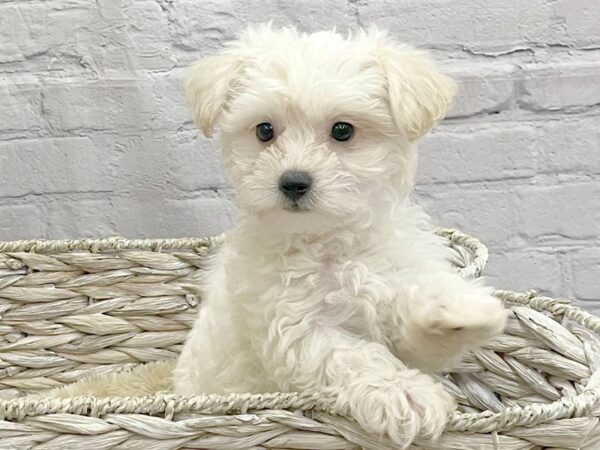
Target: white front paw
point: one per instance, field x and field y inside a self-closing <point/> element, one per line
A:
<point x="445" y="325"/>
<point x="470" y="320"/>
<point x="411" y="408"/>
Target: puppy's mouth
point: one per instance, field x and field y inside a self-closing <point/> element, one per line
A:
<point x="296" y="208"/>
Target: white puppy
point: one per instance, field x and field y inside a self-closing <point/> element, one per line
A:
<point x="332" y="280"/>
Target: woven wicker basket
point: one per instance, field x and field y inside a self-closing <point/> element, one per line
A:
<point x="75" y="308"/>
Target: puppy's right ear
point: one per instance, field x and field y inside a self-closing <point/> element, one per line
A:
<point x="208" y="87"/>
<point x="418" y="94"/>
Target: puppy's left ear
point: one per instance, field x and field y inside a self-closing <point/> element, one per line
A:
<point x="208" y="87"/>
<point x="419" y="95"/>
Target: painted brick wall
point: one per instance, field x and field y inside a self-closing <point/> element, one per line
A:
<point x="96" y="140"/>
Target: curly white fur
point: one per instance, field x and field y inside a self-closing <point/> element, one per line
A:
<point x="351" y="293"/>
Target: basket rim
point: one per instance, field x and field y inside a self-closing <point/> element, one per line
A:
<point x="468" y="267"/>
<point x="109" y="243"/>
<point x="157" y="244"/>
<point x="166" y="404"/>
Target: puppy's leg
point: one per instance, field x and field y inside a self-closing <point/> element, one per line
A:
<point x="217" y="356"/>
<point x="439" y="316"/>
<point x="373" y="386"/>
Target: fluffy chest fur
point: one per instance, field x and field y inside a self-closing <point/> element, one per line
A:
<point x="349" y="279"/>
<point x="333" y="283"/>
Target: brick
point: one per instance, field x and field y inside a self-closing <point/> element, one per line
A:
<point x="560" y="86"/>
<point x="201" y="27"/>
<point x="25" y="34"/>
<point x="58" y="37"/>
<point x="98" y="105"/>
<point x="198" y="216"/>
<point x="308" y="15"/>
<point x="144" y="166"/>
<point x="181" y="161"/>
<point x="21" y="222"/>
<point x="148" y="35"/>
<point x="488" y="88"/>
<point x="566" y="212"/>
<point x="525" y="269"/>
<point x="580" y="21"/>
<point x="195" y="163"/>
<point x="51" y="31"/>
<point x="456" y="154"/>
<point x="20" y="107"/>
<point x="591" y="306"/>
<point x="158" y="215"/>
<point x="487" y="214"/>
<point x="71" y="217"/>
<point x="170" y="110"/>
<point x="569" y="146"/>
<point x="44" y="166"/>
<point x="585" y="265"/>
<point x="12" y="35"/>
<point x="479" y="25"/>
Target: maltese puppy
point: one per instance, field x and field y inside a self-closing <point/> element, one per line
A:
<point x="331" y="280"/>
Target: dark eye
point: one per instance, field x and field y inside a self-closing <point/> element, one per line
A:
<point x="342" y="131"/>
<point x="264" y="131"/>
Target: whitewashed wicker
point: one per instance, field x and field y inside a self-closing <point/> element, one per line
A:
<point x="75" y="308"/>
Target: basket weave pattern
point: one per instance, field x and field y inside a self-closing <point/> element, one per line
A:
<point x="70" y="309"/>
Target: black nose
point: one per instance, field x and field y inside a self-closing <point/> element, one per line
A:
<point x="294" y="184"/>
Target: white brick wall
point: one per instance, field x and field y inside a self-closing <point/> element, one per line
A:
<point x="96" y="140"/>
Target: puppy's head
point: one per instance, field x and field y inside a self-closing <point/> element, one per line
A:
<point x="318" y="130"/>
